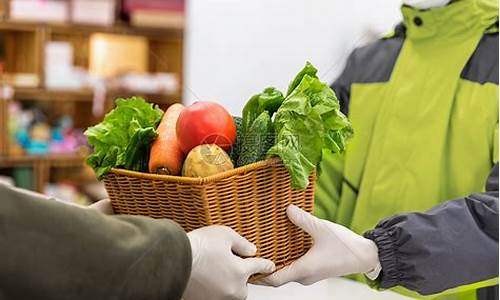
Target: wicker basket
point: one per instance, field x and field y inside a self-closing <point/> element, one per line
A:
<point x="251" y="199"/>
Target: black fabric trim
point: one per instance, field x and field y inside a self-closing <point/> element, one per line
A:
<point x="482" y="66"/>
<point x="400" y="30"/>
<point x="375" y="62"/>
<point x="492" y="182"/>
<point x="488" y="293"/>
<point x="369" y="64"/>
<point x="387" y="251"/>
<point x="350" y="185"/>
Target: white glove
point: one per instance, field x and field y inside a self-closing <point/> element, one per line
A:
<point x="217" y="273"/>
<point x="336" y="251"/>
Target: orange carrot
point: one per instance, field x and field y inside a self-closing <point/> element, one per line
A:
<point x="166" y="156"/>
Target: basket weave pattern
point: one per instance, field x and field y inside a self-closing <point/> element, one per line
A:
<point x="251" y="199"/>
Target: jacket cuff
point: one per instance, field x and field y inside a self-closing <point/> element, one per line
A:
<point x="387" y="253"/>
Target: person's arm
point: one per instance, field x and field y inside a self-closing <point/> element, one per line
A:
<point x="453" y="244"/>
<point x="55" y="251"/>
<point x="51" y="250"/>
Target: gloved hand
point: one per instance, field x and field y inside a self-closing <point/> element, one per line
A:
<point x="336" y="251"/>
<point x="102" y="206"/>
<point x="217" y="273"/>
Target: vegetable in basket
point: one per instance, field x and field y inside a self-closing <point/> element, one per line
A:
<point x="269" y="100"/>
<point x="308" y="121"/>
<point x="124" y="137"/>
<point x="166" y="155"/>
<point x="256" y="135"/>
<point x="235" y="150"/>
<point x="205" y="123"/>
<point x="257" y="140"/>
<point x="205" y="160"/>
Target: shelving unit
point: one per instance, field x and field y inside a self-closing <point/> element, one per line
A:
<point x="69" y="28"/>
<point x="42" y="165"/>
<point x="86" y="95"/>
<point x="41" y="94"/>
<point x="24" y="53"/>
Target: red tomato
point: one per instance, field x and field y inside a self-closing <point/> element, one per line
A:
<point x="205" y="123"/>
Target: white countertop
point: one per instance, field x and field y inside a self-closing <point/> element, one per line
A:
<point x="330" y="289"/>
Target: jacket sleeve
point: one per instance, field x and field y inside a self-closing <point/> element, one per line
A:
<point x="51" y="250"/>
<point x="453" y="244"/>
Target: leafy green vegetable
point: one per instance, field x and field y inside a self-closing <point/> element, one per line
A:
<point x="136" y="154"/>
<point x="257" y="140"/>
<point x="236" y="149"/>
<point x="269" y="100"/>
<point x="309" y="69"/>
<point x="124" y="137"/>
<point x="308" y="121"/>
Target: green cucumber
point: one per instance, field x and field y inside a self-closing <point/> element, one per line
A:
<point x="235" y="150"/>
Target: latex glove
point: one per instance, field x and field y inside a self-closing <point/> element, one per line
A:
<point x="102" y="206"/>
<point x="217" y="273"/>
<point x="336" y="251"/>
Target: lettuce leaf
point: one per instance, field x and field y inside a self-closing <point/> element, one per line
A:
<point x="124" y="137"/>
<point x="309" y="69"/>
<point x="308" y="121"/>
<point x="269" y="100"/>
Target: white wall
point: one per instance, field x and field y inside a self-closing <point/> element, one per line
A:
<point x="236" y="48"/>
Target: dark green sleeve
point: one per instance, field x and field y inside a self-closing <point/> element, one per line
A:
<point x="51" y="250"/>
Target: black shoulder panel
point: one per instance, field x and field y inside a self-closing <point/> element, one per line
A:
<point x="368" y="64"/>
<point x="482" y="66"/>
<point x="375" y="62"/>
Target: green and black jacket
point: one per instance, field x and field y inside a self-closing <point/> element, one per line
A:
<point x="423" y="102"/>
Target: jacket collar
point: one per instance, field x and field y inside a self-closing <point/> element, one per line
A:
<point x="451" y="21"/>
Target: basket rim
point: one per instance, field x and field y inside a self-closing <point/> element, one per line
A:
<point x="198" y="180"/>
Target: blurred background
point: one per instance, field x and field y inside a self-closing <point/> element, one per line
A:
<point x="63" y="62"/>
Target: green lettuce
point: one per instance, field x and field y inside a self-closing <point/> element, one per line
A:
<point x="269" y="100"/>
<point x="308" y="121"/>
<point x="124" y="137"/>
<point x="309" y="69"/>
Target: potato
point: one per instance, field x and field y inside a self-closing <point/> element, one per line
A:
<point x="205" y="160"/>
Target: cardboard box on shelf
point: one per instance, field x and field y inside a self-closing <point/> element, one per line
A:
<point x="60" y="72"/>
<point x="159" y="5"/>
<point x="112" y="54"/>
<point x="39" y="10"/>
<point x="156" y="83"/>
<point x="157" y="19"/>
<point x="94" y="12"/>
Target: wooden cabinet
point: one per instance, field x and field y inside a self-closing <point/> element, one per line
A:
<point x="23" y="53"/>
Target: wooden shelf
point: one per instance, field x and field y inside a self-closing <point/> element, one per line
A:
<point x="88" y="29"/>
<point x="52" y="95"/>
<point x="167" y="99"/>
<point x="86" y="95"/>
<point x="53" y="160"/>
<point x="42" y="165"/>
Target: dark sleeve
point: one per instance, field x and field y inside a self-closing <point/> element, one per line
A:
<point x="51" y="250"/>
<point x="342" y="85"/>
<point x="453" y="244"/>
